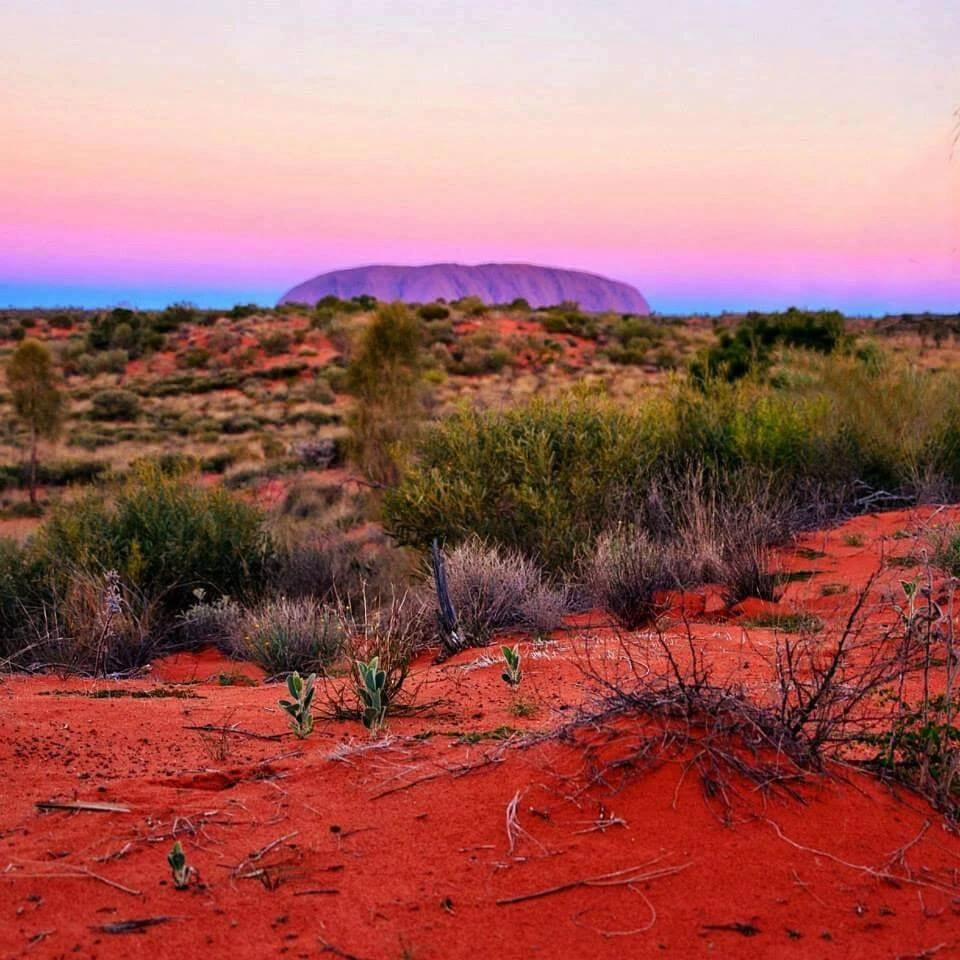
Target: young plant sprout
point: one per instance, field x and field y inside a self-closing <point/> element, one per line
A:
<point x="301" y="721"/>
<point x="512" y="674"/>
<point x="182" y="871"/>
<point x="370" y="684"/>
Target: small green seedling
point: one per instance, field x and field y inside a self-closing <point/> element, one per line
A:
<point x="371" y="681"/>
<point x="301" y="722"/>
<point x="512" y="674"/>
<point x="182" y="871"/>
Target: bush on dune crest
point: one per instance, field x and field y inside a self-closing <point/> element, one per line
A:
<point x="548" y="478"/>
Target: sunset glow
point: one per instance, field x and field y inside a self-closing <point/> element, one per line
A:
<point x="715" y="155"/>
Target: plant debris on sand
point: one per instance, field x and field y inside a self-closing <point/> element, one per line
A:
<point x="679" y="790"/>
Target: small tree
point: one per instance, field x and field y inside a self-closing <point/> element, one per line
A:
<point x="386" y="381"/>
<point x="37" y="400"/>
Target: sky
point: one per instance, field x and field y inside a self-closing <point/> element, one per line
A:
<point x="718" y="155"/>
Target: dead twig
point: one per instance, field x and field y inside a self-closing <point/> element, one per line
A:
<point x="76" y="873"/>
<point x="81" y="806"/>
<point x="618" y="878"/>
<point x="235" y="731"/>
<point x="131" y="926"/>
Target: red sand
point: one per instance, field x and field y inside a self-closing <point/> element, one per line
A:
<point x="344" y="846"/>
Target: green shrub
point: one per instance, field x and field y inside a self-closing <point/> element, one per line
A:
<point x="433" y="311"/>
<point x="544" y="478"/>
<point x="748" y="348"/>
<point x="18" y="587"/>
<point x="114" y="404"/>
<point x="385" y="378"/>
<point x="275" y="343"/>
<point x="165" y="536"/>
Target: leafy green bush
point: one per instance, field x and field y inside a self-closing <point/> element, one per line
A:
<point x="165" y="536"/>
<point x="18" y="587"/>
<point x="548" y="477"/>
<point x="275" y="343"/>
<point x="749" y="346"/>
<point x="544" y="478"/>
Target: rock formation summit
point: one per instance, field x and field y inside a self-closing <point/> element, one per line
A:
<point x="492" y="282"/>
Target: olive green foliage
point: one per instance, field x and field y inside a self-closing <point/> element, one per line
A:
<point x="749" y="347"/>
<point x="548" y="477"/>
<point x="544" y="477"/>
<point x="165" y="535"/>
<point x="114" y="404"/>
<point x="18" y="584"/>
<point x="433" y="311"/>
<point x="37" y="400"/>
<point x="134" y="331"/>
<point x="385" y="378"/>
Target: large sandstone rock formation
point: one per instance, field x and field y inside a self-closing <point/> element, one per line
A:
<point x="492" y="282"/>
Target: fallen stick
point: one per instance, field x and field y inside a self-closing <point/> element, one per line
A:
<point x="130" y="926"/>
<point x="80" y="805"/>
<point x="453" y="772"/>
<point x="78" y="873"/>
<point x="236" y="731"/>
<point x="619" y="878"/>
<point x="322" y="891"/>
<point x="886" y="875"/>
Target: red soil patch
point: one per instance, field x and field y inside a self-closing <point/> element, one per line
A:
<point x="345" y="846"/>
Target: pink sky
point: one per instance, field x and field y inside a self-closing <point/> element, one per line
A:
<point x="754" y="155"/>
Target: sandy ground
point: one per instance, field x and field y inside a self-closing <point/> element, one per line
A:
<point x="460" y="833"/>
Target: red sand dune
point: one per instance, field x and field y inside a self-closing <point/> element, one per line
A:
<point x="344" y="846"/>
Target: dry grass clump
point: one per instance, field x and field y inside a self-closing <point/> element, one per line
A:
<point x="628" y="570"/>
<point x="219" y="622"/>
<point x="286" y="634"/>
<point x="494" y="588"/>
<point x="100" y="625"/>
<point x="701" y="528"/>
<point x="391" y="629"/>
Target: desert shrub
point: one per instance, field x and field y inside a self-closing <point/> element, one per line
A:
<point x="275" y="343"/>
<point x="749" y="346"/>
<point x="174" y="316"/>
<point x="239" y="423"/>
<point x="285" y="634"/>
<point x="519" y="477"/>
<point x="18" y="587"/>
<point x="471" y="306"/>
<point x="114" y="404"/>
<point x="193" y="358"/>
<point x="493" y="589"/>
<point x="433" y="311"/>
<point x="320" y="392"/>
<point x="548" y="477"/>
<point x="54" y="474"/>
<point x="385" y="379"/>
<point x="627" y="572"/>
<point x="219" y="622"/>
<point x="98" y="622"/>
<point x="166" y="537"/>
<point x="391" y="630"/>
<point x="569" y="319"/>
